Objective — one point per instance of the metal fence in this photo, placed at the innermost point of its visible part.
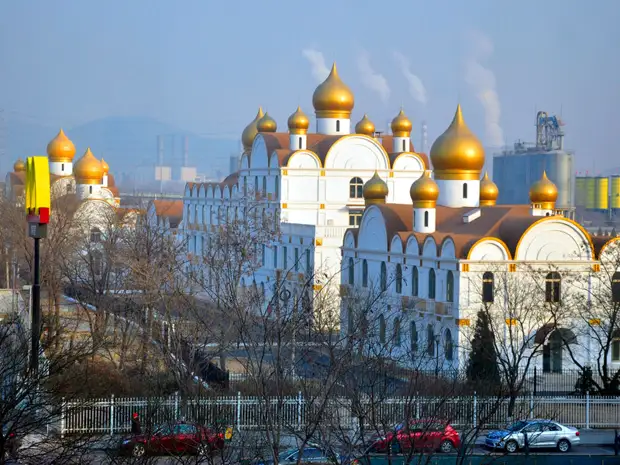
(113, 415)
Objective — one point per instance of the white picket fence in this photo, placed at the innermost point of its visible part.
(113, 415)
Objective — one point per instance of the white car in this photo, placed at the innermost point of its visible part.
(541, 434)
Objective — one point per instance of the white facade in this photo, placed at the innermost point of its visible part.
(432, 286)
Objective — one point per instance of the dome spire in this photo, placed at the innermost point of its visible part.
(88, 169)
(19, 166)
(375, 191)
(60, 149)
(298, 122)
(266, 124)
(488, 191)
(365, 126)
(333, 98)
(424, 192)
(543, 194)
(250, 131)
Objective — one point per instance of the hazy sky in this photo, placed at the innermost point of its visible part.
(205, 66)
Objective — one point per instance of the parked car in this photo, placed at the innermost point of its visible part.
(176, 438)
(540, 434)
(311, 453)
(418, 435)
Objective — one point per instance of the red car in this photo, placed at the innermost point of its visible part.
(176, 438)
(418, 435)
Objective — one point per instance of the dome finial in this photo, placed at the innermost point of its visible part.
(88, 170)
(375, 191)
(544, 193)
(60, 149)
(424, 192)
(298, 122)
(488, 191)
(266, 124)
(19, 166)
(333, 98)
(457, 154)
(250, 131)
(401, 125)
(365, 126)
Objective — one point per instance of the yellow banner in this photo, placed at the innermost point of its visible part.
(38, 194)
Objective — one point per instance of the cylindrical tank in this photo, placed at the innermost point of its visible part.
(615, 192)
(590, 187)
(580, 191)
(601, 193)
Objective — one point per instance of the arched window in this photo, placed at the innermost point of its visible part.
(431, 284)
(265, 185)
(299, 143)
(414, 281)
(383, 277)
(430, 340)
(553, 283)
(245, 185)
(337, 125)
(90, 189)
(350, 321)
(68, 188)
(351, 272)
(464, 190)
(364, 273)
(95, 235)
(62, 167)
(615, 287)
(256, 185)
(399, 279)
(397, 332)
(413, 335)
(381, 329)
(488, 288)
(426, 219)
(450, 287)
(356, 188)
(448, 345)
(404, 145)
(262, 289)
(276, 189)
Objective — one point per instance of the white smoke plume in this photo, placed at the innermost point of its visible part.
(482, 82)
(371, 79)
(416, 87)
(317, 64)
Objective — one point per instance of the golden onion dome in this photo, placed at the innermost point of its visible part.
(365, 126)
(250, 131)
(88, 170)
(424, 191)
(333, 98)
(401, 125)
(488, 191)
(375, 190)
(298, 122)
(266, 124)
(544, 192)
(60, 149)
(457, 153)
(105, 166)
(19, 166)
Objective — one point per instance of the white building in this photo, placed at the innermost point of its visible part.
(86, 184)
(309, 183)
(449, 251)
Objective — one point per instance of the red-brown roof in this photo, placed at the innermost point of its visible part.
(171, 209)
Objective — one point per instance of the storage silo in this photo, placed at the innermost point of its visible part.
(601, 193)
(590, 187)
(615, 192)
(580, 191)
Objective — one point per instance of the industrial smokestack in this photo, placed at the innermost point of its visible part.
(160, 150)
(186, 151)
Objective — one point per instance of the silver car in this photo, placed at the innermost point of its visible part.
(540, 434)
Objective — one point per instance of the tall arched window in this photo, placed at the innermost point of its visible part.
(430, 340)
(553, 283)
(404, 145)
(431, 284)
(337, 125)
(350, 321)
(383, 277)
(450, 287)
(397, 332)
(413, 335)
(426, 219)
(256, 185)
(356, 188)
(381, 329)
(365, 273)
(399, 279)
(299, 143)
(448, 345)
(351, 272)
(264, 186)
(615, 287)
(276, 189)
(464, 190)
(414, 281)
(488, 288)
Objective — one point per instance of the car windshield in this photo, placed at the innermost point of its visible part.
(518, 426)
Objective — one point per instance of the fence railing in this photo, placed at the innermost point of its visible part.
(113, 415)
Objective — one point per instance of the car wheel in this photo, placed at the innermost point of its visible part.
(512, 447)
(138, 450)
(563, 445)
(446, 447)
(202, 450)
